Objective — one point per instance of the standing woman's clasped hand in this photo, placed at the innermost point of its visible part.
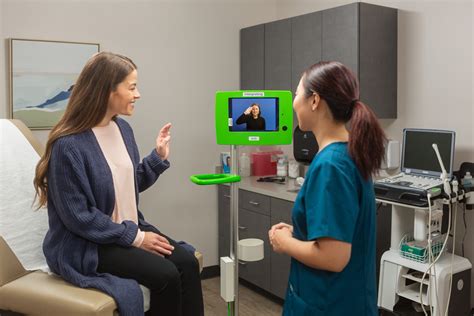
(163, 142)
(278, 235)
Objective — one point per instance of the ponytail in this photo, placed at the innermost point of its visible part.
(366, 140)
(338, 86)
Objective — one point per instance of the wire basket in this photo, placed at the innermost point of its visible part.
(417, 254)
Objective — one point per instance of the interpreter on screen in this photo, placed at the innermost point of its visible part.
(252, 117)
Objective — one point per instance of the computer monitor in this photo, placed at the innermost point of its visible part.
(254, 117)
(418, 155)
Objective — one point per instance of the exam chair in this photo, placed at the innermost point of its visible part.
(25, 285)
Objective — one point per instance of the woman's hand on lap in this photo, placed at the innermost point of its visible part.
(156, 244)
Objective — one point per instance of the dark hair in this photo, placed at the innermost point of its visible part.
(338, 86)
(87, 106)
(259, 111)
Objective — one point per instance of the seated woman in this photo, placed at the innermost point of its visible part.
(252, 117)
(90, 177)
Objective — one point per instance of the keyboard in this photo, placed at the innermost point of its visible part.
(406, 188)
(411, 181)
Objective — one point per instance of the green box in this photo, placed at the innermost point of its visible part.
(279, 109)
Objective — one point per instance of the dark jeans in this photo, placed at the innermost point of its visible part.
(174, 281)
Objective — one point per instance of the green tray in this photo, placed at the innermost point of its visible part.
(207, 179)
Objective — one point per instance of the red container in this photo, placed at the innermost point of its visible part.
(264, 163)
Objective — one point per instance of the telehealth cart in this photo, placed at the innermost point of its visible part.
(276, 111)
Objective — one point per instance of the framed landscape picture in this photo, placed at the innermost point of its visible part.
(42, 74)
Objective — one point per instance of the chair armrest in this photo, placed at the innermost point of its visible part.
(38, 147)
(199, 258)
(10, 267)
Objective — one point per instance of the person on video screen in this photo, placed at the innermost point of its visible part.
(252, 116)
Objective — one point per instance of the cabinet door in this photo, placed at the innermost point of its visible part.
(280, 270)
(384, 228)
(252, 58)
(280, 264)
(254, 225)
(305, 44)
(223, 208)
(278, 55)
(254, 202)
(378, 59)
(341, 35)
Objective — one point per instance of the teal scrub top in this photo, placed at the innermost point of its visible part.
(336, 202)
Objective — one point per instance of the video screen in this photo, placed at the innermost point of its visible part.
(419, 153)
(253, 114)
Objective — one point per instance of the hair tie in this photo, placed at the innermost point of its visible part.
(353, 102)
(350, 108)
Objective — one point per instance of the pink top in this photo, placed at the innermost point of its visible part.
(113, 147)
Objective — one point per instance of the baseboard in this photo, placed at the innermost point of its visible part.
(210, 272)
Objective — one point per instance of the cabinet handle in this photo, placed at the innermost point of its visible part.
(242, 228)
(242, 262)
(227, 196)
(254, 203)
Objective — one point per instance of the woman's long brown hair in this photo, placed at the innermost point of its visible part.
(338, 86)
(86, 108)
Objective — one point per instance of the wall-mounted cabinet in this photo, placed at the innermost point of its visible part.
(362, 36)
(252, 50)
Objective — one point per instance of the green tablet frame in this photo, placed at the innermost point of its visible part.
(282, 136)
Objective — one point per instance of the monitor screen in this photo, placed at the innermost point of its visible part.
(253, 114)
(419, 155)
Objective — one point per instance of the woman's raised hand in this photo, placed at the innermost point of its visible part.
(163, 142)
(249, 109)
(156, 244)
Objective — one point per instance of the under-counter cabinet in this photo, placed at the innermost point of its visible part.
(257, 213)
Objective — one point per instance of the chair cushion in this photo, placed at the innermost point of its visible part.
(39, 293)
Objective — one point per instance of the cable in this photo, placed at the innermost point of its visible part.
(429, 258)
(465, 227)
(437, 258)
(377, 209)
(452, 256)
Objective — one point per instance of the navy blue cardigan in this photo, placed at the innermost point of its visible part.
(81, 200)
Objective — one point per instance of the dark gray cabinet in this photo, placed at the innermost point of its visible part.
(364, 37)
(360, 35)
(278, 55)
(252, 50)
(255, 225)
(384, 228)
(306, 47)
(378, 58)
(280, 264)
(257, 213)
(340, 35)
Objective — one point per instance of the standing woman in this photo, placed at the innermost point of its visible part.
(332, 240)
(90, 177)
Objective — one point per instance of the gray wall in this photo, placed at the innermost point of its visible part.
(185, 51)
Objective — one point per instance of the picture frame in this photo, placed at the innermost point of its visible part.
(41, 76)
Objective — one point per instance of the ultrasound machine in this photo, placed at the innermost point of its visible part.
(420, 172)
